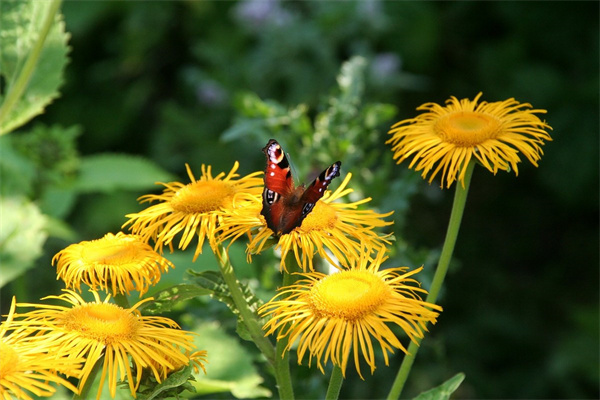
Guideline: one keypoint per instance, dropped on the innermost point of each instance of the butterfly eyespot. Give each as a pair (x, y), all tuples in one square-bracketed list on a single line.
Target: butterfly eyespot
[(270, 196), (307, 208)]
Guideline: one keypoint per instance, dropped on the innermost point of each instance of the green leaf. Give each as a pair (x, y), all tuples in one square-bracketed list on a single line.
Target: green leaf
[(166, 299), (213, 281), (18, 173), (230, 366), (173, 381), (21, 237), (34, 54), (443, 391), (109, 172)]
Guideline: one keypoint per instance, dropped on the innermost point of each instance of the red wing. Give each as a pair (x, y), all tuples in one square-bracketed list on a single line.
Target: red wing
[(317, 188), (289, 215), (278, 175), (283, 207), (278, 184)]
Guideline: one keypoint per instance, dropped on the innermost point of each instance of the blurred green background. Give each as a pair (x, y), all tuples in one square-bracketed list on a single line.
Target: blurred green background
[(166, 80)]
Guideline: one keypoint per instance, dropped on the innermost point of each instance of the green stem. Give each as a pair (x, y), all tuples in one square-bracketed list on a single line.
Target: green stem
[(85, 390), (335, 383), (282, 359), (458, 207), (248, 316), (17, 89)]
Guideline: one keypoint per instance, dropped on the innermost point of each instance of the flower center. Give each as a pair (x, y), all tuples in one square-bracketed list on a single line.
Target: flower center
[(9, 360), (202, 196), (467, 128), (103, 322), (109, 252), (349, 295), (323, 216)]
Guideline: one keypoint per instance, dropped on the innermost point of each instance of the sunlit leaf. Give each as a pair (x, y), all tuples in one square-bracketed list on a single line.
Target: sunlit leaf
[(22, 235), (23, 24)]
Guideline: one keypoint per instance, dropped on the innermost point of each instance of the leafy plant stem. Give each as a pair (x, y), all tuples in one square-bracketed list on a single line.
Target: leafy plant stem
[(458, 207), (282, 362), (17, 89), (248, 316), (335, 383)]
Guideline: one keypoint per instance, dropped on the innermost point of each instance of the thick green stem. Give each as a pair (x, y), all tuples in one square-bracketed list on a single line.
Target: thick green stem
[(335, 383), (248, 316), (16, 90), (458, 207)]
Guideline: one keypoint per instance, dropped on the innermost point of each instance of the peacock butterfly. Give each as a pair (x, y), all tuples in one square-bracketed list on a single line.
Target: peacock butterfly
[(285, 205)]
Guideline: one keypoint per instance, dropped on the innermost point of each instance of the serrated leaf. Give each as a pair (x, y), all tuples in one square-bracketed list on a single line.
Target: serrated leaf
[(166, 299), (174, 380), (34, 54), (109, 172), (444, 391)]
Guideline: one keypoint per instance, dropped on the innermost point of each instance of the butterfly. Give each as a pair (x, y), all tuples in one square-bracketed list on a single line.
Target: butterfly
[(285, 205)]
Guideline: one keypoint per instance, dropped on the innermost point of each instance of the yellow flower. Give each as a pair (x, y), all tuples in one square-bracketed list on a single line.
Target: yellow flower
[(332, 315), (27, 366), (120, 262), (446, 138), (100, 329), (194, 209), (197, 359), (339, 228)]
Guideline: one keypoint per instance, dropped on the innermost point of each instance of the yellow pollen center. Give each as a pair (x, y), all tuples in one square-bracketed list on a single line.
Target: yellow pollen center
[(467, 128), (103, 322), (323, 216), (108, 252), (349, 295), (9, 360), (202, 196)]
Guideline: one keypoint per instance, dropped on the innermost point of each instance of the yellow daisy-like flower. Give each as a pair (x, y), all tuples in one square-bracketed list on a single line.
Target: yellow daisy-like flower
[(197, 359), (120, 262), (339, 228), (446, 138), (101, 329), (27, 366), (334, 315), (194, 209)]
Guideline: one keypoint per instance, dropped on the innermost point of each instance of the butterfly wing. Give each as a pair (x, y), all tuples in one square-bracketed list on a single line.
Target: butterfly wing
[(278, 184), (316, 189)]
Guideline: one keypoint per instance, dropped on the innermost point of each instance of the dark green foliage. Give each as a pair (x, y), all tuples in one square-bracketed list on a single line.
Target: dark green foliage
[(153, 85)]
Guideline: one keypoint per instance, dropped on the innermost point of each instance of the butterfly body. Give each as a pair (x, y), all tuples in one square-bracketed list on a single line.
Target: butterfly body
[(285, 205)]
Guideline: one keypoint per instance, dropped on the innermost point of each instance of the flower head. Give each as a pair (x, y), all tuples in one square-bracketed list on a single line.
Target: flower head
[(194, 209), (339, 228), (26, 365), (349, 311), (120, 262), (447, 137), (101, 329)]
